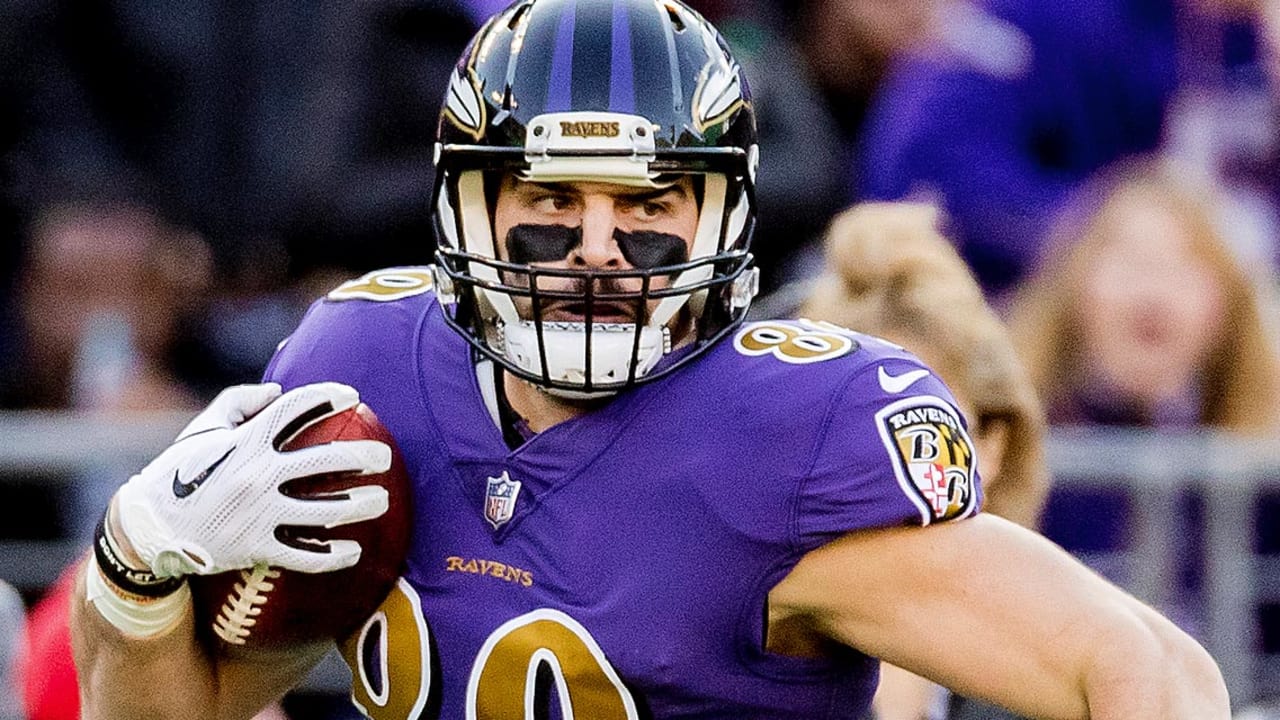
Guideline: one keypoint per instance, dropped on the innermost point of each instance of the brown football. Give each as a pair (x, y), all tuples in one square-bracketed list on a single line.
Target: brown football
[(268, 608)]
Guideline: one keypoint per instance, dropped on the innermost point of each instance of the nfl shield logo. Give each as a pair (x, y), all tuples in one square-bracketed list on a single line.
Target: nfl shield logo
[(500, 499)]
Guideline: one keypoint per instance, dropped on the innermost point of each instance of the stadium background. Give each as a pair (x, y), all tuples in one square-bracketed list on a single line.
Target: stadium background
[(178, 181)]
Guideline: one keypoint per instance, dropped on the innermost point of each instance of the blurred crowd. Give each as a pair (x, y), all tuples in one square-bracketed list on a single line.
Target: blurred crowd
[(179, 180)]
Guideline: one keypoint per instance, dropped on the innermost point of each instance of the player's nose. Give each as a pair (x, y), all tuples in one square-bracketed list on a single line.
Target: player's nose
[(599, 249)]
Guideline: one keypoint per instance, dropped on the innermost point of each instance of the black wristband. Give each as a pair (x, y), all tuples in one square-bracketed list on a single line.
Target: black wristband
[(143, 583)]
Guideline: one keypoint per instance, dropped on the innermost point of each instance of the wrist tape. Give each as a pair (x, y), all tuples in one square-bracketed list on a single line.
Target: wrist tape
[(136, 617)]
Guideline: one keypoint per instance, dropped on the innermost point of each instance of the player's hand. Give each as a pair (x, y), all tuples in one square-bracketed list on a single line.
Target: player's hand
[(212, 501)]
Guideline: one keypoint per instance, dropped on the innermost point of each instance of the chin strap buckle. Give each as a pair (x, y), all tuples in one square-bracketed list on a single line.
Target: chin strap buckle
[(446, 293), (744, 289)]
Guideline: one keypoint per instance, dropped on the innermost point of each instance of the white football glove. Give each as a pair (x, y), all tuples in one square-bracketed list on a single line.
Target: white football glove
[(212, 502)]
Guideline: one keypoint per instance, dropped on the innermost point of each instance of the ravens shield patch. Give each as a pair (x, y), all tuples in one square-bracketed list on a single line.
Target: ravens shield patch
[(932, 456)]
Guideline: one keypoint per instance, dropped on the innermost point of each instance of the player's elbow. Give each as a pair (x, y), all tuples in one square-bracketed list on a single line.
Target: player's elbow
[(1196, 680), (1147, 667)]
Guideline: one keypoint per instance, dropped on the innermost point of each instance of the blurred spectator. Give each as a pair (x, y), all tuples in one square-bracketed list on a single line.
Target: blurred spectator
[(103, 294), (1030, 99), (103, 290), (814, 66), (849, 45), (1225, 123), (12, 648), (1144, 317), (292, 135), (893, 274)]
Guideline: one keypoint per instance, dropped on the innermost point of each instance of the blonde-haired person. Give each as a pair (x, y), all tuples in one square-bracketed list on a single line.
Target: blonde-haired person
[(1144, 316), (890, 272)]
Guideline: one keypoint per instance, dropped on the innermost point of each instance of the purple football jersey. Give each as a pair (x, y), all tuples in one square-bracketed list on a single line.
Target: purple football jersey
[(619, 563)]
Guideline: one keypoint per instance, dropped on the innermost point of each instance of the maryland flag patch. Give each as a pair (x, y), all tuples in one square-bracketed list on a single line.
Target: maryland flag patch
[(932, 456)]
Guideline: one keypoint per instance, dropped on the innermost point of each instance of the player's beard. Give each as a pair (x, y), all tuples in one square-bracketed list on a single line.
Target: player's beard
[(613, 300)]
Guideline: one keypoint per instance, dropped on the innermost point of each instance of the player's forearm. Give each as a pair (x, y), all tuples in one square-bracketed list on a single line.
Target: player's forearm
[(1153, 669), (162, 677)]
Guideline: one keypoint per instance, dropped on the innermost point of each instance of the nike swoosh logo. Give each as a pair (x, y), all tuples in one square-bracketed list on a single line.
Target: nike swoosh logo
[(182, 489), (898, 383)]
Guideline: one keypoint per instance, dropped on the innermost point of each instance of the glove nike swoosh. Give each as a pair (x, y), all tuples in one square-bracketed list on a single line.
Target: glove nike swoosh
[(182, 489)]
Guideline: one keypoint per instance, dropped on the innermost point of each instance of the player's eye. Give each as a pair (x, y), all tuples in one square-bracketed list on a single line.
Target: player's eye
[(650, 209), (654, 208), (550, 202)]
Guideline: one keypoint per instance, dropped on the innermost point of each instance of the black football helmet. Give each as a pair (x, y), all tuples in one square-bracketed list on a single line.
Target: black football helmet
[(620, 91)]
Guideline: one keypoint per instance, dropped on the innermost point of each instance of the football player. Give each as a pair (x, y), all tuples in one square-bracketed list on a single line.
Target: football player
[(629, 503)]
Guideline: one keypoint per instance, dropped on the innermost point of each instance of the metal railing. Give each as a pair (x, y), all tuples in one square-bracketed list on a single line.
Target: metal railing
[(1230, 473), (1151, 468)]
